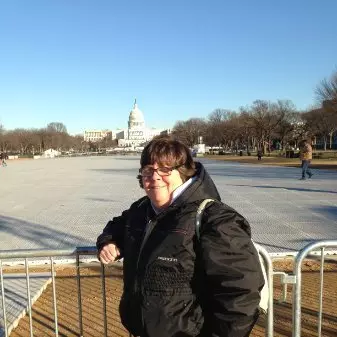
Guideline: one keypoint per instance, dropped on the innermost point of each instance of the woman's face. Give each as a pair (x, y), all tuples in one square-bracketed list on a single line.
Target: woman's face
[(159, 187)]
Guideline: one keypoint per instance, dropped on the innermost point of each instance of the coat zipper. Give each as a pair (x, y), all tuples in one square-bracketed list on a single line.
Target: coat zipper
[(149, 227)]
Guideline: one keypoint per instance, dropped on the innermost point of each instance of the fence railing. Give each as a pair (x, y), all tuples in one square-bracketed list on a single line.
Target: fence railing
[(51, 254), (297, 292), (269, 332), (77, 256)]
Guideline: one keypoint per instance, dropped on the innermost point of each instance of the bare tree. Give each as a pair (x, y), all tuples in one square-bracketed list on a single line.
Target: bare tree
[(286, 119), (56, 136), (76, 143), (5, 142), (266, 116), (32, 141), (326, 93), (42, 137), (2, 134), (189, 131), (322, 123), (245, 129), (217, 131), (234, 139), (261, 118), (220, 115), (106, 142), (22, 140), (287, 130), (57, 127)]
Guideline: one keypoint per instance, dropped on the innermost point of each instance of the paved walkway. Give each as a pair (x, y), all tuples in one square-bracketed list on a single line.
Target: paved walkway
[(54, 203)]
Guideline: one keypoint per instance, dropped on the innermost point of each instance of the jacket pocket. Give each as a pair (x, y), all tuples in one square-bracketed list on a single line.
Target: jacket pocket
[(131, 314), (178, 315)]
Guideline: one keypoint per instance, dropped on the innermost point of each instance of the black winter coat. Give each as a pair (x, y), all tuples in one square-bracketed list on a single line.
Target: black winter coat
[(175, 285)]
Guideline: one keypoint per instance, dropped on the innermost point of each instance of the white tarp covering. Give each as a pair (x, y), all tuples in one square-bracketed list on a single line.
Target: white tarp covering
[(50, 153)]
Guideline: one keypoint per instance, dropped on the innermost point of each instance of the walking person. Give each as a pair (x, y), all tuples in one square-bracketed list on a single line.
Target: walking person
[(175, 283), (259, 154), (306, 157), (3, 157)]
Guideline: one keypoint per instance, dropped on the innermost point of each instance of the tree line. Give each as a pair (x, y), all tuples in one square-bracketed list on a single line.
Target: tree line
[(262, 125), (265, 125), (54, 135), (34, 141)]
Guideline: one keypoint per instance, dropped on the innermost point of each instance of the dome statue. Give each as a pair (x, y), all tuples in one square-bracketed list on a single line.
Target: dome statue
[(136, 117)]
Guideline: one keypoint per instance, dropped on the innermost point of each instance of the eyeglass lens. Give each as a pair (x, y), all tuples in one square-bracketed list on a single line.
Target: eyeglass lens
[(162, 171)]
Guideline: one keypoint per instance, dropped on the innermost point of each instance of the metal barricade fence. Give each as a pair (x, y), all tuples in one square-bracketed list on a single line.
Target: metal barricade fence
[(297, 291), (268, 264), (51, 255), (75, 253)]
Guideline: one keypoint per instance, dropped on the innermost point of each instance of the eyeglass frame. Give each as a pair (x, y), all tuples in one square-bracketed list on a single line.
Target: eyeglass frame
[(156, 170)]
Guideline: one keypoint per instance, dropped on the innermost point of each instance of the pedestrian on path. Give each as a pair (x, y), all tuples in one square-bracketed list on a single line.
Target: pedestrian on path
[(176, 283), (3, 157), (306, 157)]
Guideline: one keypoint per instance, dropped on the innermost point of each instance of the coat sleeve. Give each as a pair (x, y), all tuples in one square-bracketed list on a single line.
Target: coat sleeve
[(232, 273), (113, 232)]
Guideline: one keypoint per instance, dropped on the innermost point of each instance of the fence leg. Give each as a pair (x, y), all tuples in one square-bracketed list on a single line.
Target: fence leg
[(3, 299), (54, 296), (321, 294), (79, 295), (104, 300), (28, 299)]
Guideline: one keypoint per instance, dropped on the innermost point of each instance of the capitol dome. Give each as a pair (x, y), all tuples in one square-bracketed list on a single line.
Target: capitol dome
[(136, 117)]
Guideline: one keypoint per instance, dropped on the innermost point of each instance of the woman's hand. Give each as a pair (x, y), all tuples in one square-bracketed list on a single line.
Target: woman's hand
[(109, 253)]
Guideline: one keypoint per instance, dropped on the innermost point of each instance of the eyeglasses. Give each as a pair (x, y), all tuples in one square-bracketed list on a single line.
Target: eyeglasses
[(148, 171)]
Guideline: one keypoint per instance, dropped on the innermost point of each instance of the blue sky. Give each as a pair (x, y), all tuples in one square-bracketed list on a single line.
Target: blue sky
[(83, 62)]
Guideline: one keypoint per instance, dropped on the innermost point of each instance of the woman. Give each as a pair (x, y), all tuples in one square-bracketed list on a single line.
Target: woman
[(175, 284)]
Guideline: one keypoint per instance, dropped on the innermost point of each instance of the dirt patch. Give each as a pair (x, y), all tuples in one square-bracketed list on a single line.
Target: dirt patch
[(93, 307), (326, 164), (68, 309), (310, 300)]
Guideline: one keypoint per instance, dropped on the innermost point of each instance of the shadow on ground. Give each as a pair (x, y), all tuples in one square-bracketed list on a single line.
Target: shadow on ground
[(124, 171), (251, 171), (299, 189), (33, 234), (328, 211)]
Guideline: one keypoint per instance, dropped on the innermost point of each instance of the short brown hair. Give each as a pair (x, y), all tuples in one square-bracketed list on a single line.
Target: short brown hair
[(165, 150)]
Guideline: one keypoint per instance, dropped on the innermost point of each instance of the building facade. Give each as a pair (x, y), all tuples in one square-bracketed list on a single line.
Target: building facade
[(135, 135), (97, 135)]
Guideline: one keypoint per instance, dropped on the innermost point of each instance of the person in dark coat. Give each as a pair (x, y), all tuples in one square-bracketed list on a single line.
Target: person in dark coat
[(3, 157), (175, 284)]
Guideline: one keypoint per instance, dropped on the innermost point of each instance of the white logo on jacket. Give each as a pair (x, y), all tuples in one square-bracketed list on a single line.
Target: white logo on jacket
[(169, 259)]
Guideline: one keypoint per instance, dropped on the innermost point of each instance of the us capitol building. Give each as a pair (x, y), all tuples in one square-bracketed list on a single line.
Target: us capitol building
[(136, 134)]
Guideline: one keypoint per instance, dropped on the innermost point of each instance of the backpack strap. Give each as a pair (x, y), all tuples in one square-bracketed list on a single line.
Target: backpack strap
[(200, 212)]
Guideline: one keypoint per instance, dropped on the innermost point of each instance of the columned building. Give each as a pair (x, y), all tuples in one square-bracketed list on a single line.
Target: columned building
[(97, 135), (137, 133)]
